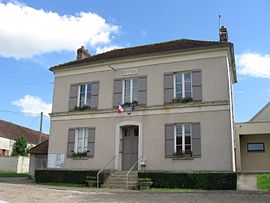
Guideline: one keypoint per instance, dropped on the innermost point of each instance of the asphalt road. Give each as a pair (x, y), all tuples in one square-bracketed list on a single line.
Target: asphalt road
[(20, 190)]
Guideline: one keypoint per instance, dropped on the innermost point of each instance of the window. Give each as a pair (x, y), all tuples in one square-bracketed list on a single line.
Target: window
[(182, 85), (84, 98), (81, 140), (130, 87), (255, 147), (182, 141)]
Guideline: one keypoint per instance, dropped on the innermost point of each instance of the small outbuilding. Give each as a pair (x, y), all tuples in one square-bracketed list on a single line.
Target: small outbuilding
[(38, 157), (253, 143)]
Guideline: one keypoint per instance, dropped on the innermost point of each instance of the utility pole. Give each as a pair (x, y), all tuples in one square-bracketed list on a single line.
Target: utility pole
[(219, 24), (40, 128)]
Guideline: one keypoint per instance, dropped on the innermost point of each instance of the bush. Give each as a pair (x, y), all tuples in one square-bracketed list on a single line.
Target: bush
[(20, 147), (205, 181), (66, 176)]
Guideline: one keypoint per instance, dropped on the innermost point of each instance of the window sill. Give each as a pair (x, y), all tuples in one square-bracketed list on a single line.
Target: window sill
[(182, 158), (80, 158), (82, 110)]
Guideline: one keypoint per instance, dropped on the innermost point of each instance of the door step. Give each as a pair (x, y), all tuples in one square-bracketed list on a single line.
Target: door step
[(118, 180)]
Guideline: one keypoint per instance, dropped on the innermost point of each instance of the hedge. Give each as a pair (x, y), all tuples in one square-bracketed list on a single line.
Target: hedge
[(66, 176), (204, 181)]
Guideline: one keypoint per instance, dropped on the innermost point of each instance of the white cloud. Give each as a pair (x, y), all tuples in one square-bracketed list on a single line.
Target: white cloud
[(33, 105), (26, 31), (254, 64), (107, 48)]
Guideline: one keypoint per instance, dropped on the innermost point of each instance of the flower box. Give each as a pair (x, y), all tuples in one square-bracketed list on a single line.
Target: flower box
[(182, 100), (82, 108), (183, 154), (129, 104), (79, 154)]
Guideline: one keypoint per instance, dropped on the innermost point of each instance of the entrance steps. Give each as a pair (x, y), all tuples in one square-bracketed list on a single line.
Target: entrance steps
[(117, 180)]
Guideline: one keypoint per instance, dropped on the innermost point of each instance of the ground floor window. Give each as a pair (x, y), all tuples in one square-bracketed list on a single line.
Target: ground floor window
[(81, 140), (255, 147), (3, 152), (182, 138)]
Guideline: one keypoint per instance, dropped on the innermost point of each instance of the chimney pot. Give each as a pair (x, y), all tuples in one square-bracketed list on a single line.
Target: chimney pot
[(82, 53), (223, 34)]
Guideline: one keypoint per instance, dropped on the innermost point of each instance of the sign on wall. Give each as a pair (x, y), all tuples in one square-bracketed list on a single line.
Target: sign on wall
[(130, 72), (56, 160)]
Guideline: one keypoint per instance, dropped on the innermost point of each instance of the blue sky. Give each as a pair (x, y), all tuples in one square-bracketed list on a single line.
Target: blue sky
[(35, 35)]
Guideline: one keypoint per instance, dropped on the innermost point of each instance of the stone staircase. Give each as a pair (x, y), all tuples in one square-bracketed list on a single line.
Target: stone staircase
[(117, 180)]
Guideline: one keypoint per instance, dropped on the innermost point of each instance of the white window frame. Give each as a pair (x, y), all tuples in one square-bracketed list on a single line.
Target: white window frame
[(85, 133), (183, 84), (85, 94), (183, 136), (131, 89)]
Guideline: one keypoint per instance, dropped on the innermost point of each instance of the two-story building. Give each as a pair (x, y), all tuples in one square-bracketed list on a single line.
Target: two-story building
[(176, 99)]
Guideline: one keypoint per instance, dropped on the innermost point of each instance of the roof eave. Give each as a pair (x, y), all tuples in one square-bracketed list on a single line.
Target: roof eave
[(233, 62), (64, 66)]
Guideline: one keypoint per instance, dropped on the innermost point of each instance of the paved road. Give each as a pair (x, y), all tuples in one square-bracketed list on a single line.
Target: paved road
[(29, 192)]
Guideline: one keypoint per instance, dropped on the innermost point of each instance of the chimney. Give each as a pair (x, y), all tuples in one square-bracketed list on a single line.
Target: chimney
[(223, 34), (82, 53)]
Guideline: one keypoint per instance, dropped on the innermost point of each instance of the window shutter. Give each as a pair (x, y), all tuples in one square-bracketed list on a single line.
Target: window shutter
[(169, 140), (71, 142), (94, 95), (73, 96), (142, 91), (168, 88), (91, 142), (117, 92), (197, 85), (196, 140)]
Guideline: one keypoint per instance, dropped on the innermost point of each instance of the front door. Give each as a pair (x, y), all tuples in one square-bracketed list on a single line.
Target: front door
[(130, 147)]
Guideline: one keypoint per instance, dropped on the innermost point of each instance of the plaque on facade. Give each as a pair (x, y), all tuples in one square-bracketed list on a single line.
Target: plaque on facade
[(130, 72)]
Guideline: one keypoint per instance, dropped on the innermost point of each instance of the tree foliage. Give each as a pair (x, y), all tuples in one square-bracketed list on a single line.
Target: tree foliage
[(20, 147)]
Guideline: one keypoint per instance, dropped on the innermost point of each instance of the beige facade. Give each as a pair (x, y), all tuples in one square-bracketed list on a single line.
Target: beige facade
[(213, 113)]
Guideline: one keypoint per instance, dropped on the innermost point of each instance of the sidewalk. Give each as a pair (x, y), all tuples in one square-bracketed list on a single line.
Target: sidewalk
[(247, 182)]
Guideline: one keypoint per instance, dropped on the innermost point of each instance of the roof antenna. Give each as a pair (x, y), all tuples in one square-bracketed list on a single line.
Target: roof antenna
[(219, 24)]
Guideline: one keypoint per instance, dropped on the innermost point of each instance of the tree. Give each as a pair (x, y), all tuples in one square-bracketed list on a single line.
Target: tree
[(20, 147)]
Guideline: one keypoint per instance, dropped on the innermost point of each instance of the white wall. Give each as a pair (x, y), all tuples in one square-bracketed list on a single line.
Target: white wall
[(14, 164), (6, 144)]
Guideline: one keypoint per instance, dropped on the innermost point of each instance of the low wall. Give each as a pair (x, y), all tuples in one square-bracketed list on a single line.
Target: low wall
[(16, 164)]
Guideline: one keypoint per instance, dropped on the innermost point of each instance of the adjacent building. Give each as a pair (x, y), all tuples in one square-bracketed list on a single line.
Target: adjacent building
[(253, 142), (38, 157), (158, 107), (10, 132)]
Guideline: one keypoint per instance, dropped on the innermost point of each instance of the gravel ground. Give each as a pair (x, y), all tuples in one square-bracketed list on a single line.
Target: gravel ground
[(25, 191)]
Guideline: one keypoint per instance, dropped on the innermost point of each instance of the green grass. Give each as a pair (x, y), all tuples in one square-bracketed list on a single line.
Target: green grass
[(263, 181), (65, 184), (7, 174)]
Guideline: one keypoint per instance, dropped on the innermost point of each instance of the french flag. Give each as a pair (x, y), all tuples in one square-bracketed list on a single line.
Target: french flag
[(120, 109)]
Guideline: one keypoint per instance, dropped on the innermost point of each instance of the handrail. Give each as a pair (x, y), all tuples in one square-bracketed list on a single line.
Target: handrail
[(102, 170), (131, 170)]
